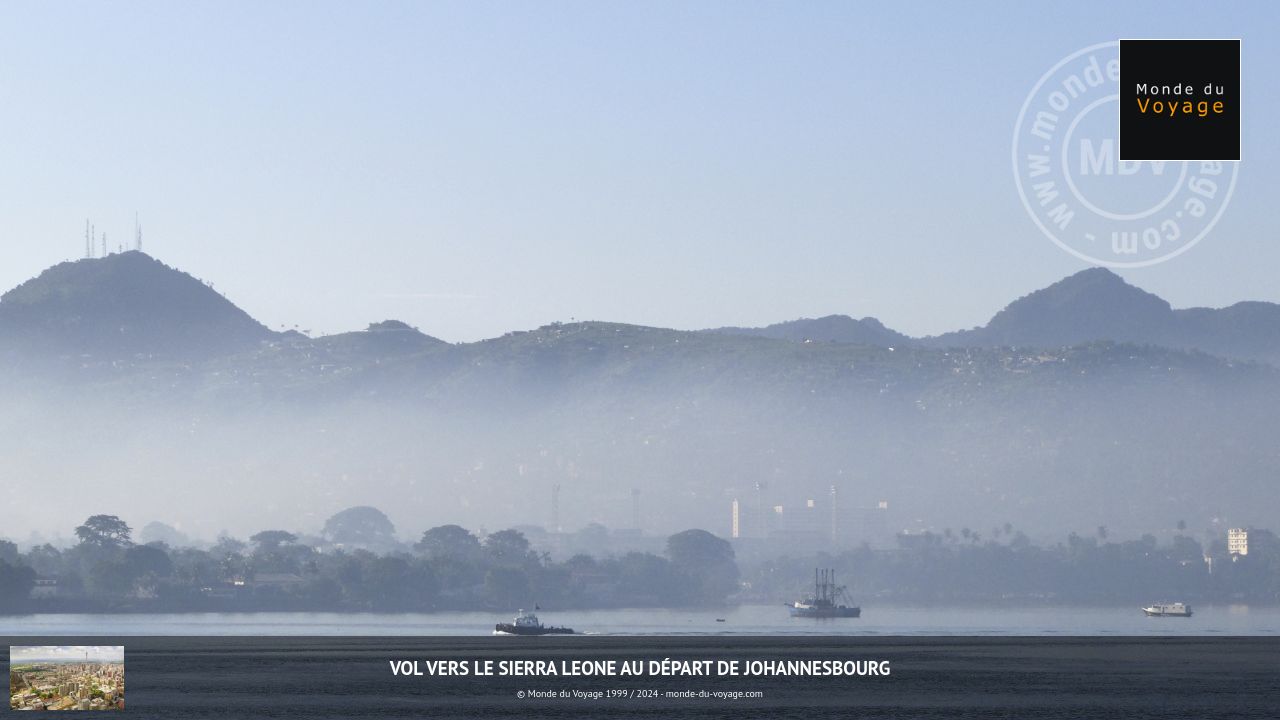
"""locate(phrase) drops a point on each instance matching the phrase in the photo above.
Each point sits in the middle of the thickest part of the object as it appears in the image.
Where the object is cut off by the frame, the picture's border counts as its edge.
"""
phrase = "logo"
(1082, 196)
(1180, 99)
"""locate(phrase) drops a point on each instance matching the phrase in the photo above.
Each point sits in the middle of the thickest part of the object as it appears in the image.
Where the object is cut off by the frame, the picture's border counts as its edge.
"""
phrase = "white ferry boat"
(1168, 610)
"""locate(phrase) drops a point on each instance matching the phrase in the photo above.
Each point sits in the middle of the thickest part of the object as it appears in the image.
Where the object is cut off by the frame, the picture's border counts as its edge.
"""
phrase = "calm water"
(744, 620)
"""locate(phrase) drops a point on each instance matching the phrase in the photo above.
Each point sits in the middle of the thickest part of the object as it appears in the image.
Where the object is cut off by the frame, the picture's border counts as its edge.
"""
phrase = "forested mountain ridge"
(263, 424)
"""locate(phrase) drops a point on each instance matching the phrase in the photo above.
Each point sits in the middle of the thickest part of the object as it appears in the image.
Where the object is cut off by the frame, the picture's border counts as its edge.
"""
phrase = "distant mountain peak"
(1096, 283)
(388, 337)
(829, 328)
(1096, 272)
(1090, 305)
(391, 326)
(121, 305)
(1093, 291)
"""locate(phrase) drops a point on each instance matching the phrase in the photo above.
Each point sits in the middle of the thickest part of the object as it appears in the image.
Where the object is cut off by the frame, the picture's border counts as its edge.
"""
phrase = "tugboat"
(1168, 610)
(526, 623)
(825, 602)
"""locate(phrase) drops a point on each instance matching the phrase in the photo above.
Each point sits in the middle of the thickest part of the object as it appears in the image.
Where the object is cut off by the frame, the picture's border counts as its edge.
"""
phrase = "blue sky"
(474, 168)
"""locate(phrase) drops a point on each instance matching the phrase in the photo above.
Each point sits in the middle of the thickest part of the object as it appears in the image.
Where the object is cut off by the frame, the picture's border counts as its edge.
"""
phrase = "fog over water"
(741, 620)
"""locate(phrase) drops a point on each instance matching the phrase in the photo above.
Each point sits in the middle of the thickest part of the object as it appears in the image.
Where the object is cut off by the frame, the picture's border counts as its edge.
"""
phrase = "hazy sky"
(473, 168)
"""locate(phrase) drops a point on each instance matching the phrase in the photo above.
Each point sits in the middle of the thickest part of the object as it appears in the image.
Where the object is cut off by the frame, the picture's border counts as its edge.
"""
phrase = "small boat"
(526, 623)
(1167, 610)
(719, 619)
(825, 602)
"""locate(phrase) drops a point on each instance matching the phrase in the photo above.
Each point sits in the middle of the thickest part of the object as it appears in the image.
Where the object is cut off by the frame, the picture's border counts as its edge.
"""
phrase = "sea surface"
(749, 620)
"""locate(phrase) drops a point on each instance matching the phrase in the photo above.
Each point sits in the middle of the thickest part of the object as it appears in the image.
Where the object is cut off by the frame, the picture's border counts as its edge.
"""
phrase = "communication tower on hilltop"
(95, 246)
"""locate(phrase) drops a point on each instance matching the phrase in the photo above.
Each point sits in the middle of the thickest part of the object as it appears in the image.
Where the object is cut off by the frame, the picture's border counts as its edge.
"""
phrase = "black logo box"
(1185, 67)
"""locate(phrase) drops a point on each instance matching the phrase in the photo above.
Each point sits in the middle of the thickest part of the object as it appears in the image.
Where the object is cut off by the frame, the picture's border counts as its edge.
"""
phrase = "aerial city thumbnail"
(66, 677)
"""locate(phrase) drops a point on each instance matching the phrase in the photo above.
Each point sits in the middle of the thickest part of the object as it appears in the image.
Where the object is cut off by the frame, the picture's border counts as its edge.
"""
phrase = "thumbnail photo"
(66, 677)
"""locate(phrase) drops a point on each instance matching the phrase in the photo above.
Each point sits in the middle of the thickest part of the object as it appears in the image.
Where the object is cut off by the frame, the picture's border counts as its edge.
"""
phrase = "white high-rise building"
(1238, 541)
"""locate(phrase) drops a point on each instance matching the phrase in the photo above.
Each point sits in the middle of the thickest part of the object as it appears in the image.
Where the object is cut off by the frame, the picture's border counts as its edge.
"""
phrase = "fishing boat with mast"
(828, 600)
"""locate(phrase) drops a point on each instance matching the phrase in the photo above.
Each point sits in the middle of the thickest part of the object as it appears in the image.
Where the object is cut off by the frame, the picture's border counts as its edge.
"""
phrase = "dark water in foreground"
(952, 677)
